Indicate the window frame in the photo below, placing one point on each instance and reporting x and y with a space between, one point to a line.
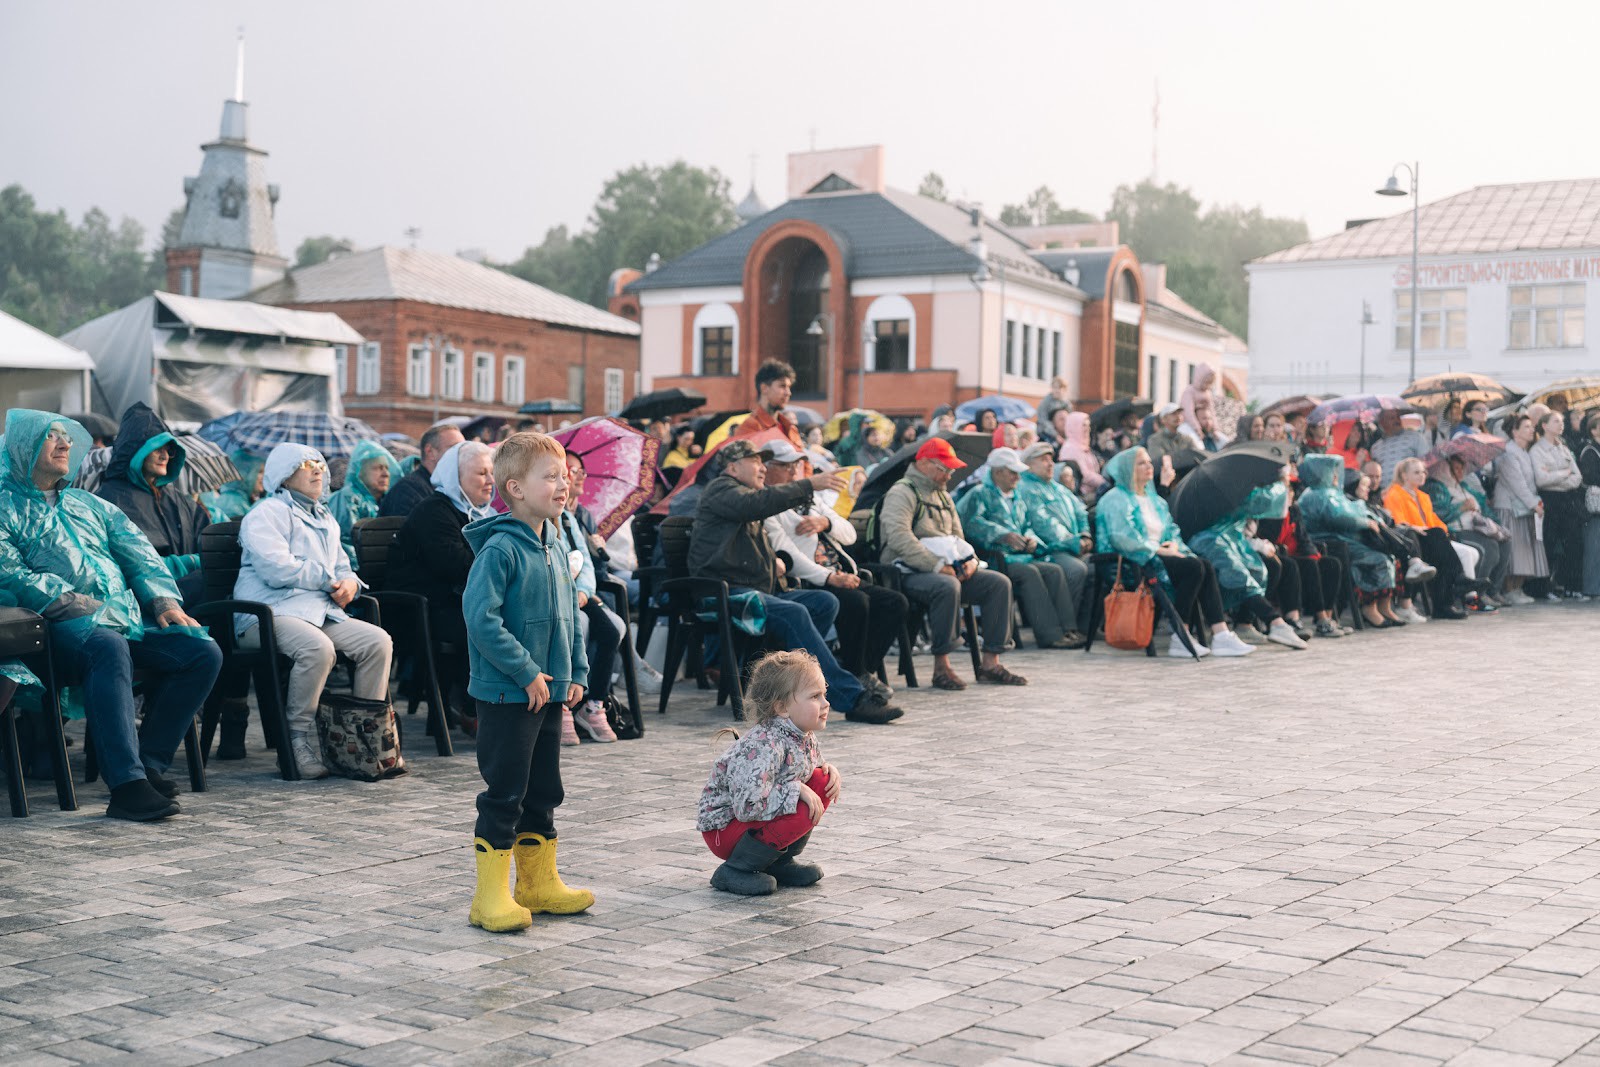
460 365
1562 311
612 389
370 359
716 316
509 366
341 368
483 374
1448 319
419 370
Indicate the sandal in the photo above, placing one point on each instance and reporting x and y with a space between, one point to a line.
948 682
998 675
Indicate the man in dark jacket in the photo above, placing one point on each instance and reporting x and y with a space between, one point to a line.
145 461
729 542
417 486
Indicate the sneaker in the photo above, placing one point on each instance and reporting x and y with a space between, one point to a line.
1175 648
1227 644
1281 633
569 733
1573 594
1249 634
1327 628
592 718
871 710
1516 598
1410 615
306 755
1552 597
163 785
1420 570
645 676
875 685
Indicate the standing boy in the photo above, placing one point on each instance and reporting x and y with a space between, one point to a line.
527 660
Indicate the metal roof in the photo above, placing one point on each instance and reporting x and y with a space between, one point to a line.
1092 263
242 316
880 235
389 273
1530 216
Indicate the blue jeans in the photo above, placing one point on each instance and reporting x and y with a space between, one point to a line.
798 620
104 662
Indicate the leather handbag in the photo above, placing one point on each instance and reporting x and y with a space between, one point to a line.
1130 614
21 632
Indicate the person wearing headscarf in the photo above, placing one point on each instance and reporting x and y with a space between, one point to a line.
1075 449
294 562
943 418
432 558
231 500
371 472
112 606
1132 521
145 460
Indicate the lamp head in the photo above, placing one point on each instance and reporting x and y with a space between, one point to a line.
815 329
1392 187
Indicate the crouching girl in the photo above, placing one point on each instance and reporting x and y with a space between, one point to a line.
769 790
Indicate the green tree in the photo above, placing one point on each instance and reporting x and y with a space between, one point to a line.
933 187
1205 253
1041 208
642 210
314 250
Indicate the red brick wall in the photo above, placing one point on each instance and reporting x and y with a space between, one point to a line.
548 351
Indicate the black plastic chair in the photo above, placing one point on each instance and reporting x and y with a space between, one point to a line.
413 634
685 594
618 592
29 639
1164 604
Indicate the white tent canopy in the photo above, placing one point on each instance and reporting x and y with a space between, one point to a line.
38 371
195 359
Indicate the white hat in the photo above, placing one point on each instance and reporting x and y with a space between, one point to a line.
1167 409
1006 459
783 451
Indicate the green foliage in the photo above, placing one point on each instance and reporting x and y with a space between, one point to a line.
1041 208
314 250
57 276
642 210
933 187
1205 253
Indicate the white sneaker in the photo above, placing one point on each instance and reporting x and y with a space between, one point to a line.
1249 634
646 676
1281 633
1420 570
1410 615
1227 644
1175 648
1516 598
306 755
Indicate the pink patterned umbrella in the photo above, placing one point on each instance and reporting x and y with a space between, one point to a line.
621 466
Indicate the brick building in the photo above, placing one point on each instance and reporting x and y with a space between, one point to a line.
446 336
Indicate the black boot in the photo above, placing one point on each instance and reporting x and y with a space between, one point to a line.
745 871
235 721
161 783
138 801
789 873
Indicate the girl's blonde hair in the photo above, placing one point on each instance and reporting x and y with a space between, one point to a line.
777 677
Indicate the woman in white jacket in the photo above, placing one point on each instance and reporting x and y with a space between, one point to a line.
295 564
1560 483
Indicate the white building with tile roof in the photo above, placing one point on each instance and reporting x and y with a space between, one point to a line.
1504 278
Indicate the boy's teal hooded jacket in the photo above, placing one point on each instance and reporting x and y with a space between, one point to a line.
1241 572
522 612
354 501
80 545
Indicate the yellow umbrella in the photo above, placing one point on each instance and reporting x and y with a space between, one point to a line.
1437 390
836 426
723 432
1581 393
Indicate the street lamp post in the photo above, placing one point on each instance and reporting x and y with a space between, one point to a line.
1392 188
822 325
1366 320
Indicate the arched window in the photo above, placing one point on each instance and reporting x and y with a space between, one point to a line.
1127 288
716 341
891 325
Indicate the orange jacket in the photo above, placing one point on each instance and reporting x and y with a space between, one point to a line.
1411 509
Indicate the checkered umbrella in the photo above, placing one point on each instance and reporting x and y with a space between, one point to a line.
620 465
206 468
260 432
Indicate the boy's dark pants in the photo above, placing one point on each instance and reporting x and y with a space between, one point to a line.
519 757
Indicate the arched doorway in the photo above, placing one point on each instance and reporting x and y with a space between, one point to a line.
797 308
1125 339
809 335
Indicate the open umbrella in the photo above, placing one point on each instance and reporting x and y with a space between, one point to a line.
620 467
206 467
1437 390
1477 449
706 425
98 425
1351 407
663 404
550 405
1005 408
1219 486
1581 393
804 418
727 429
1111 414
260 432
691 473
1293 405
837 426
971 448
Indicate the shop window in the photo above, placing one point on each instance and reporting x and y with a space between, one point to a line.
1546 316
1443 319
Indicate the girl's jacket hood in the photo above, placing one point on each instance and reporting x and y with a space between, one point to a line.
447 478
141 433
1077 432
24 437
1119 468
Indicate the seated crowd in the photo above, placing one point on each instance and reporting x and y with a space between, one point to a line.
1396 521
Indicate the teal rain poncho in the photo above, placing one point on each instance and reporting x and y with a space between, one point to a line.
355 502
1120 524
78 545
987 516
1241 572
1327 513
1054 513
229 503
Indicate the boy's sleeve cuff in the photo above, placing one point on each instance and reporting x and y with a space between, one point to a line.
524 676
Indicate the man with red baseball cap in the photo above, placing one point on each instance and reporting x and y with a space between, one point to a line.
919 507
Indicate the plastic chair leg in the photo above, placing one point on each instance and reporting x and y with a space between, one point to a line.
16 785
669 672
193 754
969 619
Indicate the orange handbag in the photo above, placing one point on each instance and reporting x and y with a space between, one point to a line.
1130 614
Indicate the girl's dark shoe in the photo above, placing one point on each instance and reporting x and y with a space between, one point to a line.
745 871
789 873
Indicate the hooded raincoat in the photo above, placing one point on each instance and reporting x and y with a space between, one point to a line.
1076 449
354 501
233 499
292 552
1241 572
1123 525
78 561
1055 515
171 520
1327 513
987 515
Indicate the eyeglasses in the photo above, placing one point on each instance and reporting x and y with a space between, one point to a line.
312 465
57 434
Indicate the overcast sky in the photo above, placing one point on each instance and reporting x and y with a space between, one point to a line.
484 123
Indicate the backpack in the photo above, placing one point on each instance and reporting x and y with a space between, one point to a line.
871 543
623 722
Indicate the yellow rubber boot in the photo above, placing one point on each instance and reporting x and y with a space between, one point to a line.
492 906
539 887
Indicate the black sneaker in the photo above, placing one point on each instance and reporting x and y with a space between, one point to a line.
138 801
163 785
871 709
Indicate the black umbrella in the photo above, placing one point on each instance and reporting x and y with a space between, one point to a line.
1111 414
663 404
1219 486
971 448
550 405
97 424
705 424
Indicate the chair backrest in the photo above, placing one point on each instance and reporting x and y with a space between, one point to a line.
675 533
220 559
646 535
375 540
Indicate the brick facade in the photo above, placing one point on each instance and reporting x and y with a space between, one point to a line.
551 355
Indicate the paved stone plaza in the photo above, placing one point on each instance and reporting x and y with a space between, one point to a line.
1380 851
